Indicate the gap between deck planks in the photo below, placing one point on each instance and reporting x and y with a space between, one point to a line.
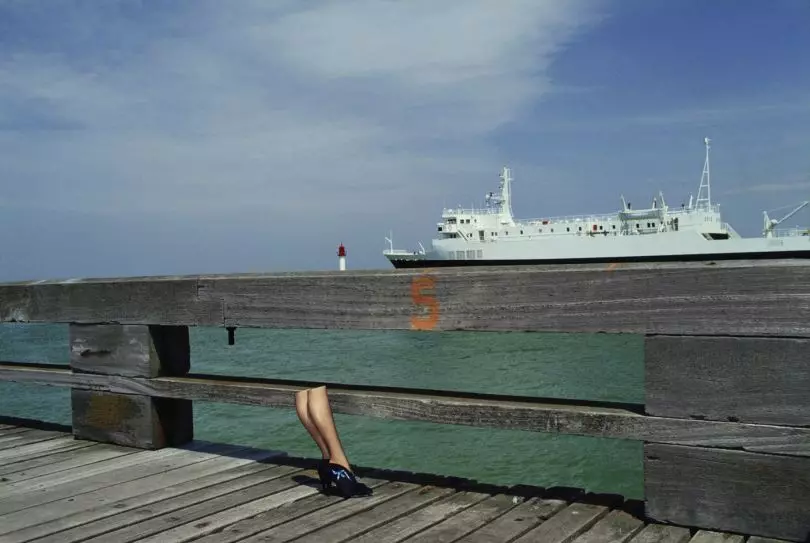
221 493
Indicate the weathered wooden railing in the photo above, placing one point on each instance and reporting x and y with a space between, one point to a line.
725 425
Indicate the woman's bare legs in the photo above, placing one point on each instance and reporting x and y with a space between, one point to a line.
320 413
302 408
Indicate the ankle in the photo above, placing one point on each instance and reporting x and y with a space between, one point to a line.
341 461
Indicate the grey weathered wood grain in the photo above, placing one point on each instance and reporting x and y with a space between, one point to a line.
344 521
760 380
616 527
24 452
74 459
568 417
131 350
132 300
5 432
734 491
132 467
516 521
662 533
44 458
29 438
194 530
198 505
135 351
706 536
566 524
400 529
131 419
267 522
77 518
466 521
10 440
115 461
754 298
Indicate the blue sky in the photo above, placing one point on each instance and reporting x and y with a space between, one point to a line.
145 137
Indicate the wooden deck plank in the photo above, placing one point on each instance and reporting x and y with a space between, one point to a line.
74 519
265 522
708 536
195 530
92 462
566 524
25 452
516 521
662 533
13 430
29 438
154 462
43 459
75 459
156 518
75 480
345 520
400 529
616 527
466 521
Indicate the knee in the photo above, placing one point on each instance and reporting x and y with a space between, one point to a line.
321 388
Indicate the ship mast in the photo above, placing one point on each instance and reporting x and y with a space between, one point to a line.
506 197
705 181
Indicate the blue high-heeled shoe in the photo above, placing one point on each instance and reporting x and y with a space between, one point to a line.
346 482
324 474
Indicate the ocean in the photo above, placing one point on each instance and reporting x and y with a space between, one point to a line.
580 366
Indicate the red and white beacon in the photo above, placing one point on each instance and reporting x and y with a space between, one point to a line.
342 258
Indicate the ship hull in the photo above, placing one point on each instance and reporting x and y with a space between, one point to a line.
668 247
765 255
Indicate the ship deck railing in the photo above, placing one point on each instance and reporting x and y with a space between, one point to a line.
725 423
791 232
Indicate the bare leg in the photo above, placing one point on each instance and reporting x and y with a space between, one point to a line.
321 414
302 408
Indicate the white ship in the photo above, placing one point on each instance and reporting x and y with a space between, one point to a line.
492 236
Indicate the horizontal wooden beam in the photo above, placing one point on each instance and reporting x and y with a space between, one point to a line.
751 298
739 379
532 414
735 491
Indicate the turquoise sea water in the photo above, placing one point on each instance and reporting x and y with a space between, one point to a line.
603 367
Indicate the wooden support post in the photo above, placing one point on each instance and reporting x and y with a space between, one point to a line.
133 351
754 380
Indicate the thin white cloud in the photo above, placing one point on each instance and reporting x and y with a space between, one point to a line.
275 105
771 187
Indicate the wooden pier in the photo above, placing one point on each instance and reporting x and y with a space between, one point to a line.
60 489
725 423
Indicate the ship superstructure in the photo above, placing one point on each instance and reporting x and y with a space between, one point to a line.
492 235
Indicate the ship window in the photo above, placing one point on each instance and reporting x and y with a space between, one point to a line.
638 225
480 253
440 229
506 233
600 227
567 229
653 225
521 231
580 229
540 230
552 230
471 254
459 255
614 227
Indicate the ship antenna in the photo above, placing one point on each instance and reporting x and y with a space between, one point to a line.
705 179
